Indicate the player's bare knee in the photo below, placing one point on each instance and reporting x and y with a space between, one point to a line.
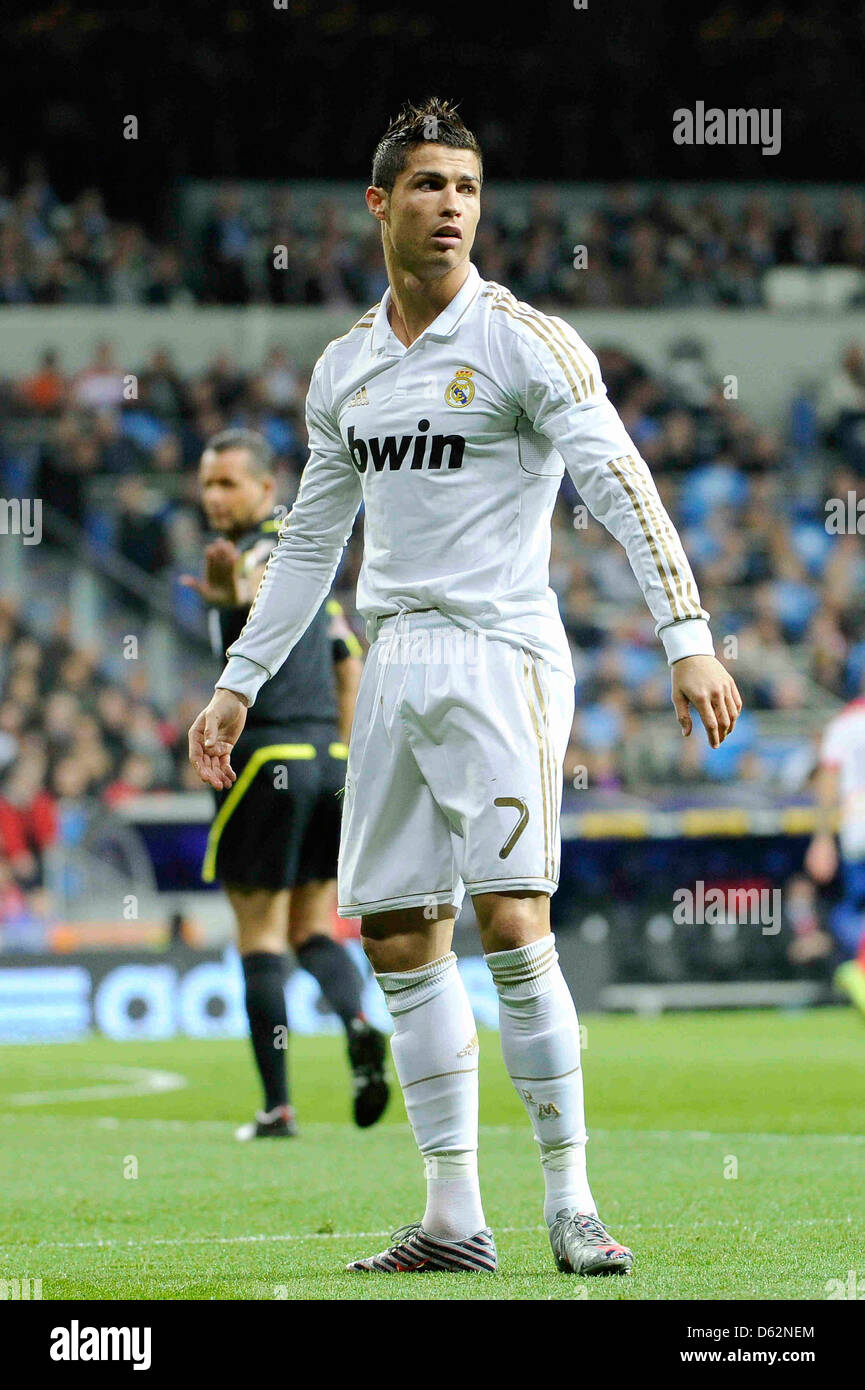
405 939
387 946
510 920
378 953
390 953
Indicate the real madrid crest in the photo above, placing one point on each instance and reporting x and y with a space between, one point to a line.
461 390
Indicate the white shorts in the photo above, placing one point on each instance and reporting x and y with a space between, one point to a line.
454 774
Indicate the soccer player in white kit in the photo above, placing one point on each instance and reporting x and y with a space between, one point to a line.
450 410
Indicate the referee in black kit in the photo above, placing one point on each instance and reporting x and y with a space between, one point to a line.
274 841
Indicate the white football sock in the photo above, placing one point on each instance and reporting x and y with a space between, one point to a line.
541 1048
435 1053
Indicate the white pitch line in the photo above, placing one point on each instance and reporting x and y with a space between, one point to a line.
312 1126
128 1081
214 1240
699 1135
131 1245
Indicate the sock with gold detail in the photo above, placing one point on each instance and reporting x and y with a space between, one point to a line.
435 1054
541 1048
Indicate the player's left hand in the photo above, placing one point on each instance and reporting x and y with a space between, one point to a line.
702 682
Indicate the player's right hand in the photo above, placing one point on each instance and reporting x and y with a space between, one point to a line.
821 858
212 737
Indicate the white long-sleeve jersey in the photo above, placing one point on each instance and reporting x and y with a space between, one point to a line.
456 447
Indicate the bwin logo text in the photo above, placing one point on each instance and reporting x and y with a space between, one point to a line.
391 452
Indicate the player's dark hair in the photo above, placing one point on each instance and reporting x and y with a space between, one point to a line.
433 121
255 444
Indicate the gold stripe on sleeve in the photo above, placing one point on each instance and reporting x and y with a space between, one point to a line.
581 391
664 530
646 529
553 332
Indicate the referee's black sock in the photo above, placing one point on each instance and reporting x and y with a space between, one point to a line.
264 974
330 964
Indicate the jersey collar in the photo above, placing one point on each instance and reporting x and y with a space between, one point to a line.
385 340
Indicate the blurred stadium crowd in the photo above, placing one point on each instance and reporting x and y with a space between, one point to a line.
673 250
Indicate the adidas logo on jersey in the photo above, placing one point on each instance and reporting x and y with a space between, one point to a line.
391 452
359 398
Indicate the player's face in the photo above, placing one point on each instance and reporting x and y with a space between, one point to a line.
233 496
431 214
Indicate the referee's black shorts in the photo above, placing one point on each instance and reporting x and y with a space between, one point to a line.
278 825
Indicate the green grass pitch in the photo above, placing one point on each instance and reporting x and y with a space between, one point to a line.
108 1194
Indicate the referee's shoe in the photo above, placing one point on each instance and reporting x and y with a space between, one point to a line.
366 1053
278 1123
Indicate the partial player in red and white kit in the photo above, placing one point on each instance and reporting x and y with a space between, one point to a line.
840 790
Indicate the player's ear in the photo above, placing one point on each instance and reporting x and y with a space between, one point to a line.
376 201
